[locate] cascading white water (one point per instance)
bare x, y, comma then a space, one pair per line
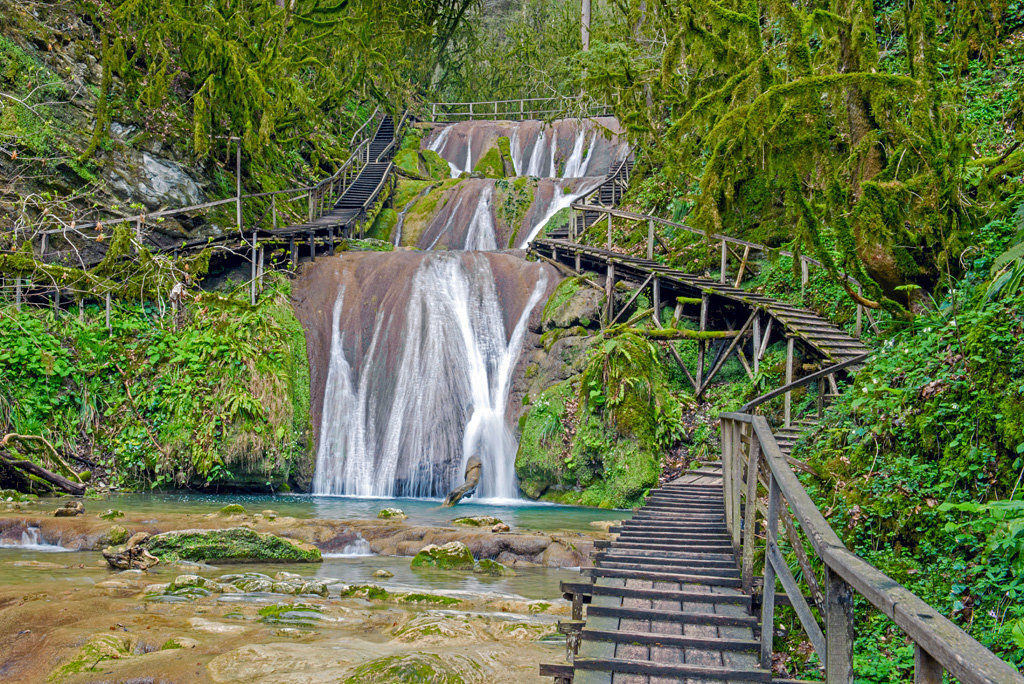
560, 201
447, 397
31, 541
438, 144
576, 166
480, 234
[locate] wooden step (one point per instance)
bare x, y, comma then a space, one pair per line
677, 640
681, 578
725, 562
681, 672
652, 546
671, 595
685, 569
672, 616
559, 671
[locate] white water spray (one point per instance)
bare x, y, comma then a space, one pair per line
447, 397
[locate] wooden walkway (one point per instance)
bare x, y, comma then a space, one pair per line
665, 600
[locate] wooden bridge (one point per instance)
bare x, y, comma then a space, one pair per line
332, 207
687, 590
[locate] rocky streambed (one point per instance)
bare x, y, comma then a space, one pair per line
365, 612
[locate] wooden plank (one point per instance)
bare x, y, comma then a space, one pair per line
750, 515
803, 611
838, 630
768, 598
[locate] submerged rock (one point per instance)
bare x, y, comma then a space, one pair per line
132, 555
112, 514
383, 574
451, 556
479, 521
492, 568
417, 667
70, 509
233, 545
392, 513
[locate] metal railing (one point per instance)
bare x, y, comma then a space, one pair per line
515, 110
753, 467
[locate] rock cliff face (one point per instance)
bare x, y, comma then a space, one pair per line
411, 358
567, 148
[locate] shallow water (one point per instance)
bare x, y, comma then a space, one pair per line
517, 514
85, 568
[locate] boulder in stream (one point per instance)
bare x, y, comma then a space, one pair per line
392, 514
451, 556
232, 545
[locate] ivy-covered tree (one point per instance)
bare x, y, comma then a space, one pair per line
792, 121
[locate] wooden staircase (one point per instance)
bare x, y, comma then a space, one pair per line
666, 602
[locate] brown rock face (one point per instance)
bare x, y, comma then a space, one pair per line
567, 148
398, 343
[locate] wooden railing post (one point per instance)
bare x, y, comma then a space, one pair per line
927, 670
735, 516
858, 328
838, 630
17, 293
725, 263
728, 454
650, 239
757, 343
768, 595
789, 378
702, 343
252, 274
750, 513
804, 277
656, 299
609, 287
42, 247
294, 250
609, 245
106, 310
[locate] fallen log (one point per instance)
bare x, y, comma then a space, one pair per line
42, 473
473, 468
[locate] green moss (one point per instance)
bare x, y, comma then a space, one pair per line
539, 460
402, 668
98, 649
565, 291
408, 160
389, 513
490, 165
382, 225
114, 536
477, 521
451, 556
512, 201
430, 598
111, 514
486, 566
233, 509
235, 545
435, 165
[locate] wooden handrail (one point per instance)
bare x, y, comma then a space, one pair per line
940, 644
806, 380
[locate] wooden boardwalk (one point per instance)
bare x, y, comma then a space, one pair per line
665, 599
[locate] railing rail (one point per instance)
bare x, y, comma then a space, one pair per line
727, 255
753, 464
514, 110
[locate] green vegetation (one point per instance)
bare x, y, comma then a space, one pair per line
411, 667
220, 395
923, 459
234, 545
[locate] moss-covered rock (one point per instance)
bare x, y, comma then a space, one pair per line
572, 304
233, 509
382, 225
485, 566
234, 545
391, 514
416, 667
451, 556
477, 521
116, 535
183, 581
112, 514
491, 164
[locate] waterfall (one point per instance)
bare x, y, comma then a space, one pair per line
480, 234
31, 541
576, 166
438, 145
408, 427
561, 200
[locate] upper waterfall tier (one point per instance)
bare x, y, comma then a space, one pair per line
567, 148
411, 356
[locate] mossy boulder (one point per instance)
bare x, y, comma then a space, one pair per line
112, 514
454, 555
392, 514
572, 304
495, 162
478, 521
233, 545
114, 536
485, 566
184, 581
233, 509
416, 667
422, 164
